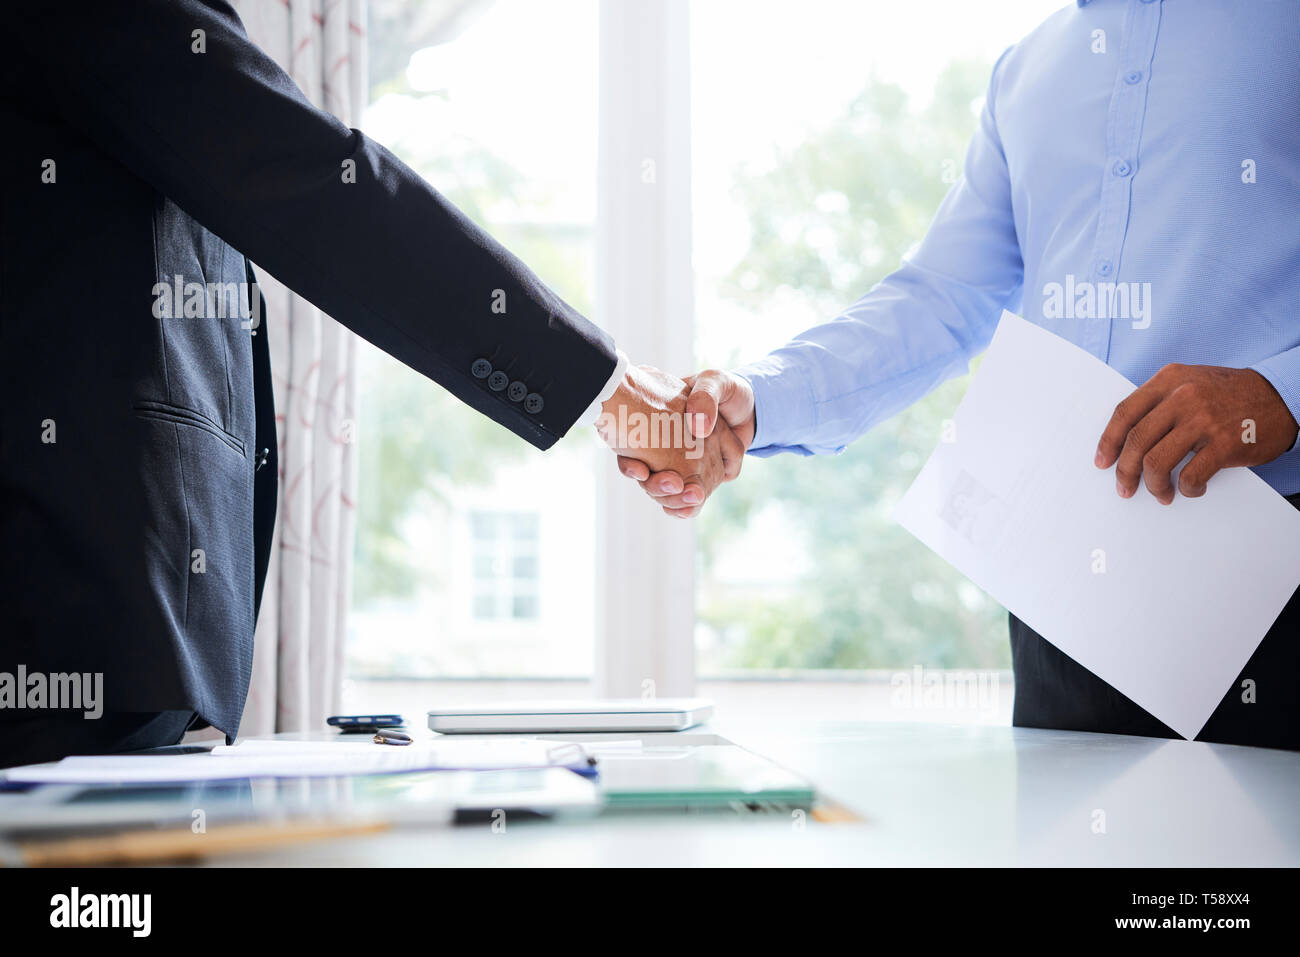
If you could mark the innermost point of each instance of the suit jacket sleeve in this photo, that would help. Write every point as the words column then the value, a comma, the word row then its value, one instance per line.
column 229, row 137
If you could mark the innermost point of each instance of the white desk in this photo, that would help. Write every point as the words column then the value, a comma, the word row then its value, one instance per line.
column 926, row 795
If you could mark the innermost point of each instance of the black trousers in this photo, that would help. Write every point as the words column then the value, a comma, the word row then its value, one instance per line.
column 37, row 736
column 1053, row 691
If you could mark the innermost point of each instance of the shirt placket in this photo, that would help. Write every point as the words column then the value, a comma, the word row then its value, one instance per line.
column 1123, row 136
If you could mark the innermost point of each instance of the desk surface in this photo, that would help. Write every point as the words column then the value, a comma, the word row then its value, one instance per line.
column 925, row 795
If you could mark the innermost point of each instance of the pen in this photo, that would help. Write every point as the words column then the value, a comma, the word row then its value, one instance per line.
column 385, row 736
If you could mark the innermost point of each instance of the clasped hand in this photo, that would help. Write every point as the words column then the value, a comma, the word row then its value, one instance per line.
column 679, row 438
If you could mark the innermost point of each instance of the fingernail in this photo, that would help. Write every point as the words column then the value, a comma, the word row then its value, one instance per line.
column 1119, row 487
column 691, row 497
column 1098, row 461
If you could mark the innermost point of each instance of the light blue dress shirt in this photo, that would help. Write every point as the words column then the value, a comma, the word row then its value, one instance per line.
column 1133, row 186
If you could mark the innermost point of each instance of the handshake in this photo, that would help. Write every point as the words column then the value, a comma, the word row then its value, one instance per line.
column 679, row 438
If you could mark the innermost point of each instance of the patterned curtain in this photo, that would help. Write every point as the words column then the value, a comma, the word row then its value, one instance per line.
column 301, row 631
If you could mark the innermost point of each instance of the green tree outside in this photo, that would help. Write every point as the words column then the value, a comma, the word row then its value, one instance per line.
column 875, row 598
column 417, row 442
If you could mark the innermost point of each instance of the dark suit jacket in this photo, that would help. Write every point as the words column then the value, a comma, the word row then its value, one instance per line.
column 170, row 162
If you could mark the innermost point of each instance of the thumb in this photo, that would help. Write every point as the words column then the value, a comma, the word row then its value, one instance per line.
column 709, row 390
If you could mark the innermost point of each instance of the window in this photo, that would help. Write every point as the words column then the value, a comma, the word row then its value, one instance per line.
column 474, row 555
column 822, row 136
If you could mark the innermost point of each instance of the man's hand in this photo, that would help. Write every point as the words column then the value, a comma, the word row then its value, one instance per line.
column 645, row 422
column 1228, row 417
column 718, row 402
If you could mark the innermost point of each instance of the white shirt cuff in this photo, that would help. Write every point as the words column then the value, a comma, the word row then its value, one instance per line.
column 593, row 411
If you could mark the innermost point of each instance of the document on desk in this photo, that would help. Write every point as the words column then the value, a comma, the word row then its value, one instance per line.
column 279, row 758
column 1165, row 603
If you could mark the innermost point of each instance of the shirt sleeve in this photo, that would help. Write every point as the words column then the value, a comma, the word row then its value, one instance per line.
column 592, row 414
column 917, row 328
column 1283, row 373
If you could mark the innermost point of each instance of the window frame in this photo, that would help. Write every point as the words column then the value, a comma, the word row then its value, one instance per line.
column 645, row 625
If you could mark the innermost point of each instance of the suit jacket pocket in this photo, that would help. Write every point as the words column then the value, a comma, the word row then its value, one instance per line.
column 167, row 412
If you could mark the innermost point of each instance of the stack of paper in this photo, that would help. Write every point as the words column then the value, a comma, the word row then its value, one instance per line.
column 305, row 759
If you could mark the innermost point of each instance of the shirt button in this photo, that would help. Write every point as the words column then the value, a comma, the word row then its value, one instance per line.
column 498, row 381
column 517, row 391
column 533, row 403
column 1103, row 268
column 1132, row 77
column 481, row 368
column 1121, row 168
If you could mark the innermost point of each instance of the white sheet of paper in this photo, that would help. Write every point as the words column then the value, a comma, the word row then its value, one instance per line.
column 1165, row 603
column 294, row 759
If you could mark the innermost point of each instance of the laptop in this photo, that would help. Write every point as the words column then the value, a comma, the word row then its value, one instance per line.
column 544, row 717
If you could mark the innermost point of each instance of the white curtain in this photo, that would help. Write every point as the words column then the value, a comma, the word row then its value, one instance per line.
column 298, row 656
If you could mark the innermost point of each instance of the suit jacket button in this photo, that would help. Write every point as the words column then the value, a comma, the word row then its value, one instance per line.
column 498, row 381
column 533, row 403
column 481, row 368
column 517, row 391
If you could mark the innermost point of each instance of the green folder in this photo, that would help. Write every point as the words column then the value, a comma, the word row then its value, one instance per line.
column 707, row 776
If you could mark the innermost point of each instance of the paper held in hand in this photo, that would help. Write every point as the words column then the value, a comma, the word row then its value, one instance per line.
column 1165, row 603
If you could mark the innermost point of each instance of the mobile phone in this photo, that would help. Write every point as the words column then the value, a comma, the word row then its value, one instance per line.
column 363, row 723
